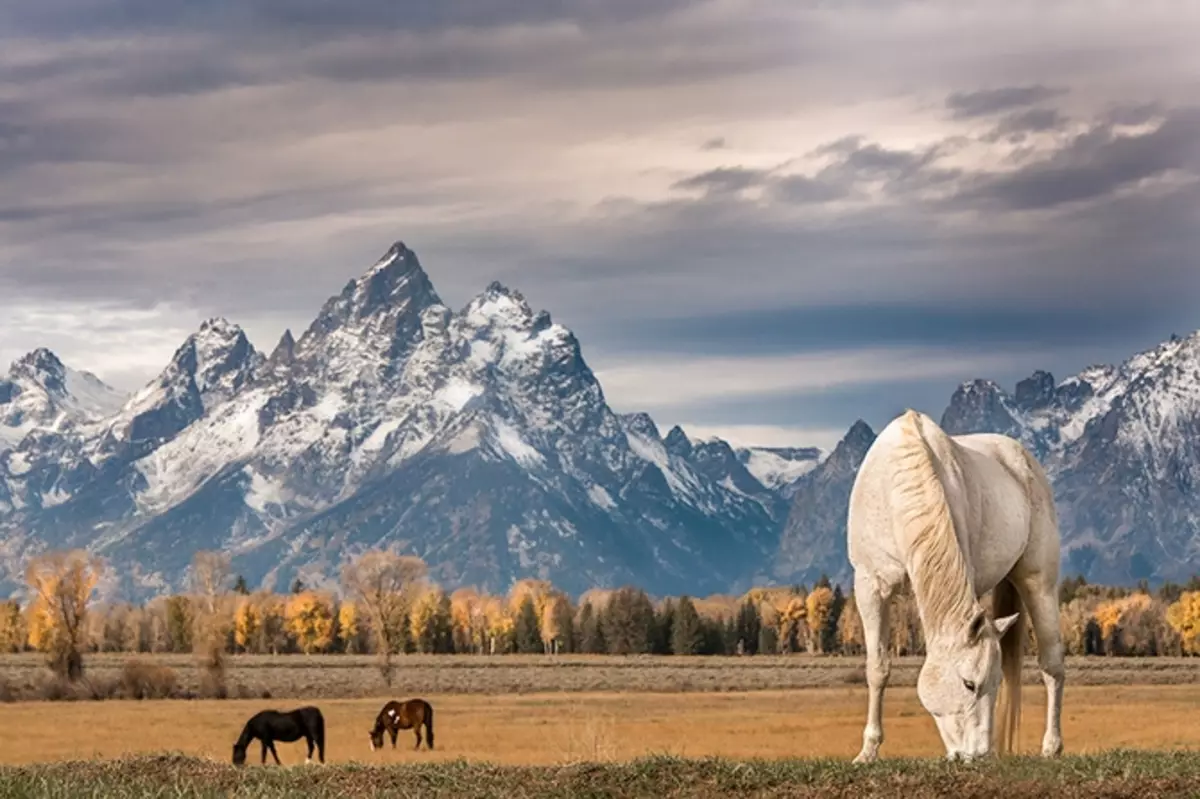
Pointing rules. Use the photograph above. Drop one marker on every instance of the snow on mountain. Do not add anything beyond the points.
(1118, 443)
(41, 393)
(478, 439)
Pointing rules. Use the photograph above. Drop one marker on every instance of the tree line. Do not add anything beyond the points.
(387, 605)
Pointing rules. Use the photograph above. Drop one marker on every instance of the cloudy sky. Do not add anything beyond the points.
(764, 218)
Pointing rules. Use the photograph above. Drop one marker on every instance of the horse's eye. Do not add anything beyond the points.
(970, 685)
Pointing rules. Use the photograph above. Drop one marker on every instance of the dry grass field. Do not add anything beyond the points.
(349, 676)
(544, 729)
(518, 727)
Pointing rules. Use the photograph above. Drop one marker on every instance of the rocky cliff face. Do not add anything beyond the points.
(478, 439)
(1118, 442)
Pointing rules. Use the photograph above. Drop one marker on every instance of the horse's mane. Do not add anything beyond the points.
(937, 566)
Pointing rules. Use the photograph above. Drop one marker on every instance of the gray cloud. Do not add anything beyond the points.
(247, 158)
(985, 102)
(1094, 164)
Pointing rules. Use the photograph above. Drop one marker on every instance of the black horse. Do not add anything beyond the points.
(270, 726)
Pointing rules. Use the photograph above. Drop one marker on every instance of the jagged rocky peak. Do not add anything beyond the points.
(42, 367)
(979, 405)
(678, 443)
(285, 350)
(1036, 391)
(220, 358)
(858, 439)
(395, 287)
(642, 424)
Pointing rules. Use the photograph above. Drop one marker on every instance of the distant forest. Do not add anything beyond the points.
(387, 606)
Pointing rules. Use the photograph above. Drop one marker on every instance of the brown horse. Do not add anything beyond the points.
(409, 715)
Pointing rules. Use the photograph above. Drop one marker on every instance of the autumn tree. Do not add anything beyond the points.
(209, 578)
(310, 621)
(12, 627)
(247, 625)
(558, 624)
(62, 584)
(432, 623)
(350, 630)
(383, 585)
(1184, 617)
(851, 638)
(820, 607)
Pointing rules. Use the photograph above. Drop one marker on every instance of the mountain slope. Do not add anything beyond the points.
(478, 439)
(1119, 444)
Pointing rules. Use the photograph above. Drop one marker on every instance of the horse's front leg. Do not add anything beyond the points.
(1041, 601)
(873, 610)
(274, 754)
(394, 732)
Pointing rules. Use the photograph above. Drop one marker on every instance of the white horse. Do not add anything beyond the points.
(958, 516)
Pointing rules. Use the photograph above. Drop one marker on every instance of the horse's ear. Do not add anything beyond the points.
(1002, 625)
(977, 626)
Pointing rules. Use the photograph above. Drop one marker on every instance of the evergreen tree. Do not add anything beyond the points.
(526, 630)
(591, 635)
(748, 624)
(687, 633)
(240, 587)
(664, 628)
(768, 640)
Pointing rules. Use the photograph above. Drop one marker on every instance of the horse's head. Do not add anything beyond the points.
(959, 683)
(376, 734)
(239, 755)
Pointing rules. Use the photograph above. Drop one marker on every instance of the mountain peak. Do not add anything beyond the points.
(42, 367)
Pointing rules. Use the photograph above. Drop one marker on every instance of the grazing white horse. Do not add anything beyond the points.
(958, 516)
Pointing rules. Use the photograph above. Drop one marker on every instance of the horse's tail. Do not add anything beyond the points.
(1005, 602)
(429, 725)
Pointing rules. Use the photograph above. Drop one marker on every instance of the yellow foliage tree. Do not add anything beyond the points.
(850, 628)
(62, 584)
(819, 605)
(348, 627)
(12, 627)
(247, 624)
(469, 621)
(1184, 618)
(309, 618)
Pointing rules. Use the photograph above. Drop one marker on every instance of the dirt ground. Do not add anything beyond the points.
(561, 727)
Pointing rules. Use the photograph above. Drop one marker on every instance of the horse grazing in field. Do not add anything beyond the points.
(270, 726)
(409, 715)
(957, 517)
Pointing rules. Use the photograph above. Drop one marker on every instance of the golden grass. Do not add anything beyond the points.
(555, 728)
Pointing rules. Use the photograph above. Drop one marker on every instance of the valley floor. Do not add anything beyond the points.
(554, 728)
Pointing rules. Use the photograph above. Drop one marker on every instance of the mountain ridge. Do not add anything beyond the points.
(477, 438)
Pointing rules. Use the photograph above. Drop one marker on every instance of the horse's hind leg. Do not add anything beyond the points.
(873, 610)
(1041, 601)
(417, 730)
(308, 740)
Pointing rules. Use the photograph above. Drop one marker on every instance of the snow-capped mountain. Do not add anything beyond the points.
(478, 439)
(1119, 444)
(40, 393)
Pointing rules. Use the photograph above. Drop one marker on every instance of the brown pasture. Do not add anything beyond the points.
(556, 727)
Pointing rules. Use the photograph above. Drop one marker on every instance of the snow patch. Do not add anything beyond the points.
(775, 471)
(600, 497)
(511, 442)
